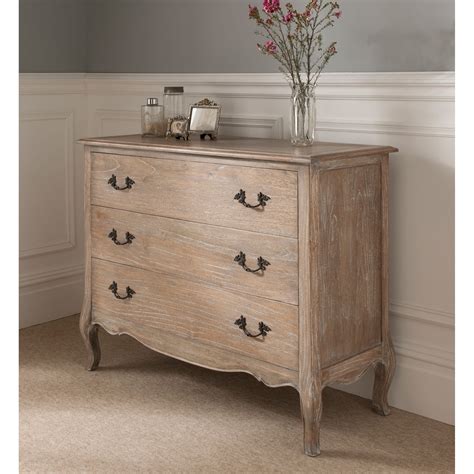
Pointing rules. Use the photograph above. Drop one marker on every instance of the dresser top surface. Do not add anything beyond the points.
(245, 148)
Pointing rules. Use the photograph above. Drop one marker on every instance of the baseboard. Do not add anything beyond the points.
(39, 301)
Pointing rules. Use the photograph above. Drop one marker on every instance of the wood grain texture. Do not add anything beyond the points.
(247, 148)
(325, 232)
(344, 162)
(199, 252)
(88, 330)
(384, 369)
(198, 192)
(310, 388)
(194, 311)
(350, 370)
(154, 154)
(384, 372)
(204, 355)
(350, 238)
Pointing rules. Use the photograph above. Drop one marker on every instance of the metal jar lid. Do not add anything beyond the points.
(174, 90)
(152, 101)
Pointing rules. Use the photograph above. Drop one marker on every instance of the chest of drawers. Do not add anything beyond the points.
(243, 255)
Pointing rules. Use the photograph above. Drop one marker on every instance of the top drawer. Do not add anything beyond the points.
(200, 192)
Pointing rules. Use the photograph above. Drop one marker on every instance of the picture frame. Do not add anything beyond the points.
(178, 127)
(204, 119)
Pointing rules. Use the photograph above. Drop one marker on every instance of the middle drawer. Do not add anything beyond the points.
(224, 257)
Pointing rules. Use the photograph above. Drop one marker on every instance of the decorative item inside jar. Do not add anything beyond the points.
(153, 121)
(303, 116)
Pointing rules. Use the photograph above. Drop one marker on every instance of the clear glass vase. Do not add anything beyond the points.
(303, 116)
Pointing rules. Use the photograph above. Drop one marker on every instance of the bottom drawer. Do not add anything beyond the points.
(192, 310)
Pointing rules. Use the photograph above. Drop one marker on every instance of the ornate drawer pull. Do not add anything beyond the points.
(114, 289)
(261, 198)
(261, 262)
(128, 238)
(128, 183)
(262, 327)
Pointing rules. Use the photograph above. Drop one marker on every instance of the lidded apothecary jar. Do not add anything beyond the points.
(153, 120)
(173, 101)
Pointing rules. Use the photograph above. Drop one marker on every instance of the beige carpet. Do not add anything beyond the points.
(143, 412)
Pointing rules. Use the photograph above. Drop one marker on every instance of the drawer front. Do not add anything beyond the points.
(187, 309)
(199, 192)
(198, 252)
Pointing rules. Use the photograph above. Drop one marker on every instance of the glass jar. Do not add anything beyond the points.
(303, 116)
(173, 101)
(153, 121)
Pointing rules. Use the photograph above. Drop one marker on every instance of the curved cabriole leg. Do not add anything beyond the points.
(311, 409)
(91, 340)
(383, 378)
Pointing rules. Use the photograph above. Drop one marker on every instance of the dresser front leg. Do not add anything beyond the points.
(91, 340)
(383, 378)
(311, 409)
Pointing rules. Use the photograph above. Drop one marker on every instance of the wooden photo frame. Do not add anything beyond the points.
(178, 127)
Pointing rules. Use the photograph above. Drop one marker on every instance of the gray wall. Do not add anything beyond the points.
(53, 36)
(146, 36)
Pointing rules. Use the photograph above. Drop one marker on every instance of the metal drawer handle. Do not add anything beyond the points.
(128, 238)
(261, 262)
(261, 198)
(262, 327)
(113, 182)
(114, 289)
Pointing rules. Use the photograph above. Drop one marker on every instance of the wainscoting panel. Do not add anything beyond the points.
(412, 111)
(46, 177)
(52, 118)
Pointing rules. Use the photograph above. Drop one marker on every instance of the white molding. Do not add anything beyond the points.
(340, 79)
(422, 314)
(50, 294)
(47, 276)
(268, 122)
(434, 87)
(101, 115)
(273, 123)
(382, 128)
(425, 353)
(374, 86)
(70, 241)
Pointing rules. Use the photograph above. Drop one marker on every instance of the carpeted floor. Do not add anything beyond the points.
(142, 412)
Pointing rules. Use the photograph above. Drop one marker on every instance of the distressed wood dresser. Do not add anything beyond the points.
(244, 255)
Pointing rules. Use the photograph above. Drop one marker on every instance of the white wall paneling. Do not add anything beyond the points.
(412, 111)
(52, 117)
(46, 176)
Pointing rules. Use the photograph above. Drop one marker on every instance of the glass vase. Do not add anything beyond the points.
(303, 116)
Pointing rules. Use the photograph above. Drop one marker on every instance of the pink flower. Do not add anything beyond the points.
(271, 6)
(288, 17)
(270, 47)
(338, 14)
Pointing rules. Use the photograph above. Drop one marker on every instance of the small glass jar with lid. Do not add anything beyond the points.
(153, 121)
(173, 101)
